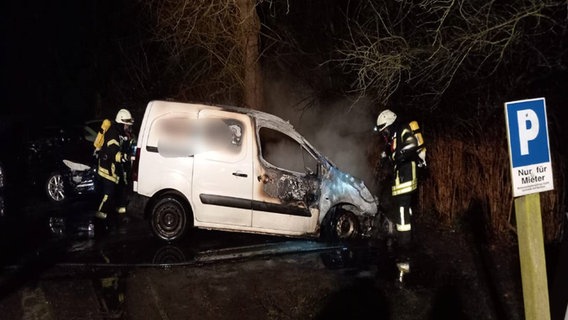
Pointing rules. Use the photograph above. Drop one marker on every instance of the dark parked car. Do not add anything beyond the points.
(72, 164)
(52, 161)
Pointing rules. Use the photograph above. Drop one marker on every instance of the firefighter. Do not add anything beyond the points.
(113, 157)
(405, 151)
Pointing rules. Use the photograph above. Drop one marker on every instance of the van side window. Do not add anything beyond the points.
(280, 150)
(217, 139)
(226, 133)
(221, 139)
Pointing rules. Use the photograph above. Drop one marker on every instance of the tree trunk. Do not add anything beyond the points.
(252, 78)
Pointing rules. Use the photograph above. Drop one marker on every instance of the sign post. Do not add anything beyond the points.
(531, 173)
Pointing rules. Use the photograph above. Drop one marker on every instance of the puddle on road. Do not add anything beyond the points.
(58, 226)
(110, 289)
(136, 247)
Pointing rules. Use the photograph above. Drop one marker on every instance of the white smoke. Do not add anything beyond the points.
(342, 130)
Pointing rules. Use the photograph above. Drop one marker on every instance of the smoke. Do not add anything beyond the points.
(341, 130)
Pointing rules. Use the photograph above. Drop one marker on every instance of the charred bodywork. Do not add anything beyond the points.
(292, 190)
(321, 187)
(340, 190)
(324, 191)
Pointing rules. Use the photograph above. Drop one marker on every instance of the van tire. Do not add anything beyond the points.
(169, 218)
(343, 225)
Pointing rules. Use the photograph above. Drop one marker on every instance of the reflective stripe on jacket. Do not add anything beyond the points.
(109, 175)
(405, 180)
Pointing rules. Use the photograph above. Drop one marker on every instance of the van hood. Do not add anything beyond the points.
(338, 187)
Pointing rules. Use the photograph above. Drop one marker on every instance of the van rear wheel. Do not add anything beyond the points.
(169, 218)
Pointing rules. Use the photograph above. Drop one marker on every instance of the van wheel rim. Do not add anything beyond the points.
(169, 221)
(345, 227)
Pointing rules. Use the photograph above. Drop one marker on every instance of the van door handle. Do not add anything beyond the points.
(238, 174)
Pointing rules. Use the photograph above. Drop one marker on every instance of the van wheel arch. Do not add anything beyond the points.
(160, 194)
(170, 215)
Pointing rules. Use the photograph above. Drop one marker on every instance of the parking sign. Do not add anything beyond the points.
(529, 151)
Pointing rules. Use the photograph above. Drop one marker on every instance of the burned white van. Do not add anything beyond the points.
(235, 169)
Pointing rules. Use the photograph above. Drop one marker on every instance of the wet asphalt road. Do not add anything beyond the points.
(44, 245)
(65, 235)
(53, 267)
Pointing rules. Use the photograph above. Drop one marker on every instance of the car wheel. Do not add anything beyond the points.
(56, 226)
(55, 187)
(169, 218)
(344, 226)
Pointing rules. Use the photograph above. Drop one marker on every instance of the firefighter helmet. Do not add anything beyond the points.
(123, 116)
(385, 119)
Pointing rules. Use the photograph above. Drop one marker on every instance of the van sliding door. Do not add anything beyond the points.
(222, 175)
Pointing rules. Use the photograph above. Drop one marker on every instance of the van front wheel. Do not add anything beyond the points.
(343, 225)
(169, 219)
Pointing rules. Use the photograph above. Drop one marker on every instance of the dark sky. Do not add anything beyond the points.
(55, 56)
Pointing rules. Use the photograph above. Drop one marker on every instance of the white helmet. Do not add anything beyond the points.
(123, 116)
(385, 119)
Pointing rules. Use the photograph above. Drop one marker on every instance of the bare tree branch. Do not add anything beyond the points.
(209, 44)
(430, 42)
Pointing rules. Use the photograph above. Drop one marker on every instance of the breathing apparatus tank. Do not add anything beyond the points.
(100, 139)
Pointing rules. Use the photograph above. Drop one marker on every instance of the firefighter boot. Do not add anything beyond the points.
(403, 248)
(403, 268)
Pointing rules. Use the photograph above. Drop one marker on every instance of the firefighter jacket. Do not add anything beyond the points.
(110, 155)
(403, 152)
(127, 145)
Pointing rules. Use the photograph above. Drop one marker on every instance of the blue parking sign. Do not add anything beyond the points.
(527, 131)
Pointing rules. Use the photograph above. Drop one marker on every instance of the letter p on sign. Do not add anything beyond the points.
(528, 128)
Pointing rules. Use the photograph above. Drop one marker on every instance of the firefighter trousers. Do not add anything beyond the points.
(403, 220)
(113, 198)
